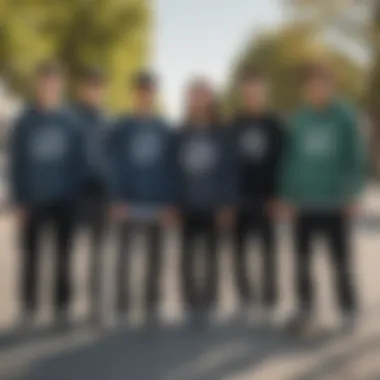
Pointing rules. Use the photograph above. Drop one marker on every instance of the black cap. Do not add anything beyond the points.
(145, 80)
(49, 69)
(92, 75)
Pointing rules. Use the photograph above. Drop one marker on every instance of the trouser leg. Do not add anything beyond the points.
(210, 293)
(30, 255)
(188, 283)
(97, 237)
(268, 240)
(242, 280)
(123, 267)
(154, 267)
(340, 251)
(303, 254)
(63, 225)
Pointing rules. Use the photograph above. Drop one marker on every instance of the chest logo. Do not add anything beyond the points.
(199, 157)
(254, 144)
(146, 148)
(49, 144)
(320, 143)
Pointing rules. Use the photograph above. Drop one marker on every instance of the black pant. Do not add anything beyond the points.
(333, 226)
(255, 222)
(199, 225)
(94, 217)
(153, 233)
(61, 218)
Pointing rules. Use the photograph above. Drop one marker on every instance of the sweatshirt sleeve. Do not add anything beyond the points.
(174, 170)
(356, 160)
(279, 130)
(17, 163)
(112, 153)
(80, 162)
(230, 171)
(287, 169)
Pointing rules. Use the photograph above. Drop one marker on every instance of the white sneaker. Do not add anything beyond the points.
(349, 322)
(26, 322)
(267, 316)
(62, 320)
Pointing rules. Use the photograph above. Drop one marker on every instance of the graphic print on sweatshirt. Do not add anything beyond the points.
(199, 157)
(48, 144)
(254, 144)
(319, 142)
(145, 148)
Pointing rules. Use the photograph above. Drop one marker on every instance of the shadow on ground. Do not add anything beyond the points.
(209, 353)
(347, 361)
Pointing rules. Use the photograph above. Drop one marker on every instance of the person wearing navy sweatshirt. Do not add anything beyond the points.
(259, 138)
(91, 117)
(47, 168)
(143, 189)
(207, 189)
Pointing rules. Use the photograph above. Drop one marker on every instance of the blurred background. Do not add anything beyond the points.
(220, 39)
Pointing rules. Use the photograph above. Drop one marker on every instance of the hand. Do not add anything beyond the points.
(352, 210)
(286, 211)
(21, 214)
(119, 212)
(274, 208)
(226, 218)
(169, 217)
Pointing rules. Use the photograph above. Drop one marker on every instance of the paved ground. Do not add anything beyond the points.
(230, 351)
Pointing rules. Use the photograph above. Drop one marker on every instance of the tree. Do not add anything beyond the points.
(110, 33)
(346, 18)
(281, 54)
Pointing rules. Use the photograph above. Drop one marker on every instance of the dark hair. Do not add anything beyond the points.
(213, 112)
(316, 72)
(145, 80)
(91, 75)
(49, 69)
(252, 75)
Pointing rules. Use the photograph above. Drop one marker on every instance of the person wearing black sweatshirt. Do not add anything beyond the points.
(207, 193)
(142, 188)
(89, 113)
(259, 138)
(47, 168)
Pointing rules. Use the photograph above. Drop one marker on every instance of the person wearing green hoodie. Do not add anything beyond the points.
(323, 174)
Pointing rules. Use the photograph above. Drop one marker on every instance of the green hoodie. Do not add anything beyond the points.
(324, 163)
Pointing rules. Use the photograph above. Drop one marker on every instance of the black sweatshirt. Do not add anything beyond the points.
(259, 142)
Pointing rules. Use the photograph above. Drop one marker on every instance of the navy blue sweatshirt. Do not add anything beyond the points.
(141, 152)
(259, 142)
(47, 162)
(207, 168)
(94, 125)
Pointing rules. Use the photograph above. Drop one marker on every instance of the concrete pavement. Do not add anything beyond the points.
(231, 351)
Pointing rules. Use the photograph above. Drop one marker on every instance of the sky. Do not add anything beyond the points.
(202, 37)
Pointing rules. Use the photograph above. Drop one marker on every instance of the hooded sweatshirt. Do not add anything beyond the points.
(47, 162)
(94, 125)
(324, 165)
(142, 159)
(207, 168)
(259, 142)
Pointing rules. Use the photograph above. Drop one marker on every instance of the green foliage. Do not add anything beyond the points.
(109, 33)
(281, 54)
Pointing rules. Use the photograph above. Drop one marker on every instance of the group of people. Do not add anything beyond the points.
(71, 164)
